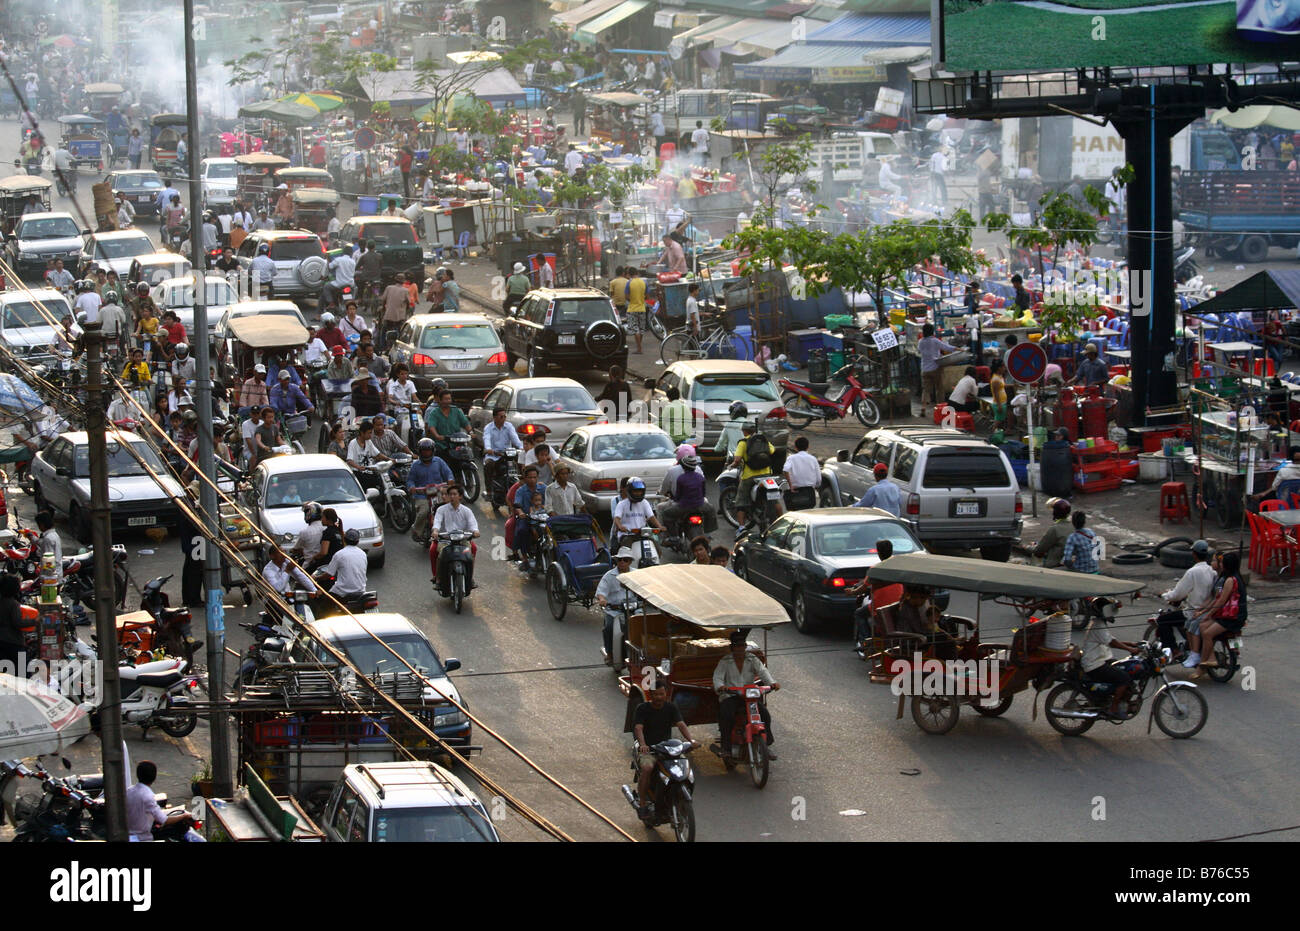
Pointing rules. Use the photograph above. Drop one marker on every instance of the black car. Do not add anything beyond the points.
(807, 559)
(139, 187)
(395, 240)
(576, 328)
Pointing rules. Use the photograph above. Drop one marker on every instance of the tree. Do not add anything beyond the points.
(779, 161)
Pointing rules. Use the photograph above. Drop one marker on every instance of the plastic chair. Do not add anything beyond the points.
(1295, 502)
(1174, 503)
(1272, 504)
(1265, 367)
(1273, 544)
(462, 245)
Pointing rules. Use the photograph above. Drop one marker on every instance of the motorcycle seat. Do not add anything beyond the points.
(91, 782)
(159, 680)
(817, 387)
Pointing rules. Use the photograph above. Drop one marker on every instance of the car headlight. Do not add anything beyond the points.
(450, 717)
(27, 256)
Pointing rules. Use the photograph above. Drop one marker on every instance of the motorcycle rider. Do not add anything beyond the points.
(634, 512)
(308, 543)
(143, 813)
(363, 453)
(329, 333)
(287, 398)
(498, 436)
(686, 496)
(741, 668)
(450, 518)
(112, 321)
(368, 272)
(610, 595)
(348, 567)
(344, 268)
(281, 575)
(522, 506)
(422, 481)
(386, 439)
(262, 272)
(1052, 547)
(183, 365)
(753, 456)
(445, 418)
(1096, 660)
(652, 723)
(1196, 589)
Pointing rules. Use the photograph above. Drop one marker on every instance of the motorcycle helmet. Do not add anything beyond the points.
(683, 451)
(1103, 608)
(352, 537)
(190, 416)
(182, 349)
(691, 462)
(110, 297)
(436, 386)
(263, 249)
(1060, 508)
(635, 489)
(326, 319)
(142, 288)
(425, 445)
(311, 511)
(738, 410)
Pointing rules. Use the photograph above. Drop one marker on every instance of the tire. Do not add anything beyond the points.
(297, 447)
(511, 361)
(739, 568)
(1226, 668)
(1177, 557)
(401, 511)
(999, 553)
(1185, 723)
(533, 365)
(657, 327)
(470, 481)
(797, 412)
(80, 524)
(324, 441)
(1067, 697)
(38, 499)
(1131, 559)
(679, 346)
(867, 412)
(379, 563)
(935, 714)
(993, 711)
(682, 817)
(803, 622)
(826, 496)
(557, 591)
(604, 339)
(177, 723)
(727, 504)
(457, 588)
(312, 271)
(760, 762)
(1254, 249)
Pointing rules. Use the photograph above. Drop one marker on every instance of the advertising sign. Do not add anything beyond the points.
(1019, 35)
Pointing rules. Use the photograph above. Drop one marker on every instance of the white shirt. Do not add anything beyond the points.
(51, 543)
(634, 515)
(657, 124)
(563, 499)
(357, 325)
(462, 141)
(692, 311)
(124, 215)
(964, 391)
(282, 579)
(401, 394)
(308, 542)
(1096, 646)
(349, 570)
(185, 369)
(426, 192)
(359, 454)
(448, 519)
(248, 429)
(938, 162)
(243, 217)
(1196, 586)
(804, 470)
(344, 268)
(700, 140)
(572, 161)
(263, 268)
(142, 812)
(316, 351)
(89, 303)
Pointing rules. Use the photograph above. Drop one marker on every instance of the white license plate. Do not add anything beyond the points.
(968, 509)
(1235, 643)
(567, 340)
(773, 494)
(461, 365)
(142, 521)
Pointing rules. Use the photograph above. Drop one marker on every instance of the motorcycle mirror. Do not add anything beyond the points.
(67, 763)
(373, 494)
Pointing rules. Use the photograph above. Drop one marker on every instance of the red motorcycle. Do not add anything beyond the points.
(22, 556)
(806, 401)
(749, 735)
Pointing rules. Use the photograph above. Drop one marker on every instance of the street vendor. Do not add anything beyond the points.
(284, 209)
(1092, 371)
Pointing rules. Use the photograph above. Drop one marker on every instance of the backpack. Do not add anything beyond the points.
(758, 453)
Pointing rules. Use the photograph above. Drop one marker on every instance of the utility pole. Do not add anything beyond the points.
(216, 622)
(101, 531)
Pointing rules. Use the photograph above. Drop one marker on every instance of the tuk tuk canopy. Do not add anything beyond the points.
(105, 87)
(261, 160)
(80, 119)
(168, 119)
(709, 597)
(268, 332)
(616, 99)
(314, 195)
(304, 174)
(24, 184)
(989, 578)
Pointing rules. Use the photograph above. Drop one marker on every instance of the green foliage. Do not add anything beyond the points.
(1062, 220)
(784, 159)
(381, 109)
(446, 158)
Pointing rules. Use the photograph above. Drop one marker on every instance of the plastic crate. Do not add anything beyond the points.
(838, 320)
(1100, 448)
(275, 733)
(799, 343)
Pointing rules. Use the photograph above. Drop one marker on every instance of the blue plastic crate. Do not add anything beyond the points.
(1021, 469)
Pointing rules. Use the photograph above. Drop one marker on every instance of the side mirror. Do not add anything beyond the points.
(85, 232)
(650, 384)
(841, 455)
(450, 664)
(373, 495)
(62, 472)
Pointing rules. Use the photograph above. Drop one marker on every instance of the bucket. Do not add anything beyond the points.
(1057, 635)
(1152, 468)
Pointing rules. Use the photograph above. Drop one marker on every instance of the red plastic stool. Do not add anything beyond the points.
(1174, 503)
(965, 421)
(940, 412)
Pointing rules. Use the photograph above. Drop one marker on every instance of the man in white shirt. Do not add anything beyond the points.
(562, 496)
(965, 394)
(241, 216)
(125, 214)
(634, 512)
(348, 567)
(452, 517)
(803, 473)
(498, 436)
(461, 139)
(51, 543)
(1193, 593)
(143, 813)
(426, 191)
(700, 142)
(316, 351)
(344, 268)
(572, 160)
(263, 221)
(674, 216)
(938, 175)
(88, 303)
(282, 576)
(362, 450)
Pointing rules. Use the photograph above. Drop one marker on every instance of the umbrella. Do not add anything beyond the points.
(36, 720)
(282, 111)
(64, 41)
(1250, 117)
(321, 102)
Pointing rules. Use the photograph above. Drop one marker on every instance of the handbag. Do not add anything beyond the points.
(1232, 607)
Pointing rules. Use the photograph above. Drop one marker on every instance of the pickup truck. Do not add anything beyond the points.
(1240, 214)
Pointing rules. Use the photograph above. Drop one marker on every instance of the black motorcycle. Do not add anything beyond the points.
(62, 812)
(460, 459)
(174, 630)
(455, 567)
(505, 472)
(1227, 647)
(671, 788)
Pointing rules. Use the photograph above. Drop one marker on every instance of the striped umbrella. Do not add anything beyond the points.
(320, 101)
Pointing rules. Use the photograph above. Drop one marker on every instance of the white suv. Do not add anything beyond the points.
(402, 803)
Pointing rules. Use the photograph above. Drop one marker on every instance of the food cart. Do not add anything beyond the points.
(619, 119)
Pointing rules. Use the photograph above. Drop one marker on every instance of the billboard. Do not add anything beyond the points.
(1032, 35)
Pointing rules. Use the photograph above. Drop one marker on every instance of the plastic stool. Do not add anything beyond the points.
(965, 421)
(1174, 503)
(940, 412)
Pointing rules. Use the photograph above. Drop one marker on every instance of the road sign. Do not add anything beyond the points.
(363, 138)
(1026, 362)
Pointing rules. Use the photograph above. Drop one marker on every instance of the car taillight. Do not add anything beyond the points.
(604, 484)
(914, 504)
(1020, 505)
(497, 358)
(835, 581)
(777, 412)
(695, 519)
(421, 359)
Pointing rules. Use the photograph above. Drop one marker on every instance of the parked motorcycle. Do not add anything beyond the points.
(460, 459)
(748, 736)
(806, 401)
(672, 787)
(62, 812)
(172, 626)
(1185, 267)
(455, 567)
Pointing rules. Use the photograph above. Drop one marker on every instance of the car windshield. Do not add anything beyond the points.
(967, 469)
(24, 313)
(617, 446)
(369, 655)
(458, 336)
(49, 228)
(219, 293)
(734, 388)
(861, 539)
(337, 486)
(123, 248)
(390, 234)
(121, 462)
(557, 400)
(445, 824)
(222, 170)
(291, 250)
(584, 311)
(134, 182)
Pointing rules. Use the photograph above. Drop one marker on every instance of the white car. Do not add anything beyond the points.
(219, 177)
(177, 294)
(25, 328)
(602, 455)
(281, 484)
(115, 250)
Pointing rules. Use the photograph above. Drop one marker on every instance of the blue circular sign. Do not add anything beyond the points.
(1026, 362)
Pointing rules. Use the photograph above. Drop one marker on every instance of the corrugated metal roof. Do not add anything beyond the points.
(904, 29)
(578, 16)
(589, 31)
(808, 58)
(766, 39)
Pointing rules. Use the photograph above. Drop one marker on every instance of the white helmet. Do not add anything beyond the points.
(326, 318)
(182, 349)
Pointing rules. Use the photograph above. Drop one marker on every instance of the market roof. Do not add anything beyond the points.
(853, 28)
(828, 63)
(590, 31)
(1262, 290)
(579, 15)
(709, 597)
(617, 99)
(990, 578)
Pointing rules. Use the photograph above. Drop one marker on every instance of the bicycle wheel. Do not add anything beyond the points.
(734, 346)
(678, 346)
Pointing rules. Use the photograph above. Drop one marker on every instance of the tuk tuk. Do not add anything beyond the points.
(618, 118)
(312, 209)
(253, 186)
(680, 629)
(252, 338)
(86, 140)
(16, 192)
(165, 131)
(984, 674)
(298, 178)
(102, 97)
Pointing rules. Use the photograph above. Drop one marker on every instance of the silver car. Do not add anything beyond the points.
(25, 328)
(280, 485)
(115, 250)
(299, 257)
(177, 295)
(711, 386)
(561, 405)
(464, 350)
(602, 455)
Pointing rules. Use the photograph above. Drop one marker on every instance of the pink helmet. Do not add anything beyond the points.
(684, 450)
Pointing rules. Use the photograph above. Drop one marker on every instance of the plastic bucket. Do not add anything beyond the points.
(1152, 468)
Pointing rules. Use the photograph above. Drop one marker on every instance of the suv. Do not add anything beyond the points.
(300, 266)
(219, 178)
(395, 241)
(40, 238)
(404, 802)
(957, 490)
(711, 386)
(573, 327)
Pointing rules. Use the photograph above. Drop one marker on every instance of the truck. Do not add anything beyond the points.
(1239, 214)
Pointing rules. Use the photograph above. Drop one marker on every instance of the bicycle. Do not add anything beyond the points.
(716, 341)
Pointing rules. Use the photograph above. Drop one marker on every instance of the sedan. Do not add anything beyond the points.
(140, 187)
(463, 350)
(807, 559)
(602, 455)
(157, 267)
(177, 294)
(561, 405)
(280, 485)
(114, 250)
(61, 474)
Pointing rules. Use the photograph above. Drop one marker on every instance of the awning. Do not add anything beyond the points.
(1012, 580)
(700, 35)
(1260, 291)
(590, 31)
(863, 27)
(576, 16)
(823, 63)
(708, 597)
(767, 39)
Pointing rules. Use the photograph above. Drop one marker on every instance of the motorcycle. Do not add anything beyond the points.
(460, 459)
(79, 578)
(65, 183)
(271, 635)
(21, 555)
(672, 786)
(172, 631)
(156, 694)
(1227, 646)
(678, 536)
(748, 735)
(504, 477)
(643, 545)
(366, 602)
(1185, 267)
(808, 401)
(64, 811)
(455, 567)
(766, 504)
(390, 499)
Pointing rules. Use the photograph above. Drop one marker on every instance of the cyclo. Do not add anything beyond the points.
(987, 674)
(254, 339)
(253, 184)
(678, 631)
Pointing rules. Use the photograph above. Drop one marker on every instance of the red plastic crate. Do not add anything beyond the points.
(1099, 484)
(1102, 448)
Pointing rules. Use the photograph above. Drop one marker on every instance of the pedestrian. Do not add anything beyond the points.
(931, 348)
(938, 175)
(192, 551)
(404, 162)
(637, 318)
(134, 149)
(884, 494)
(450, 292)
(803, 473)
(579, 101)
(1079, 553)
